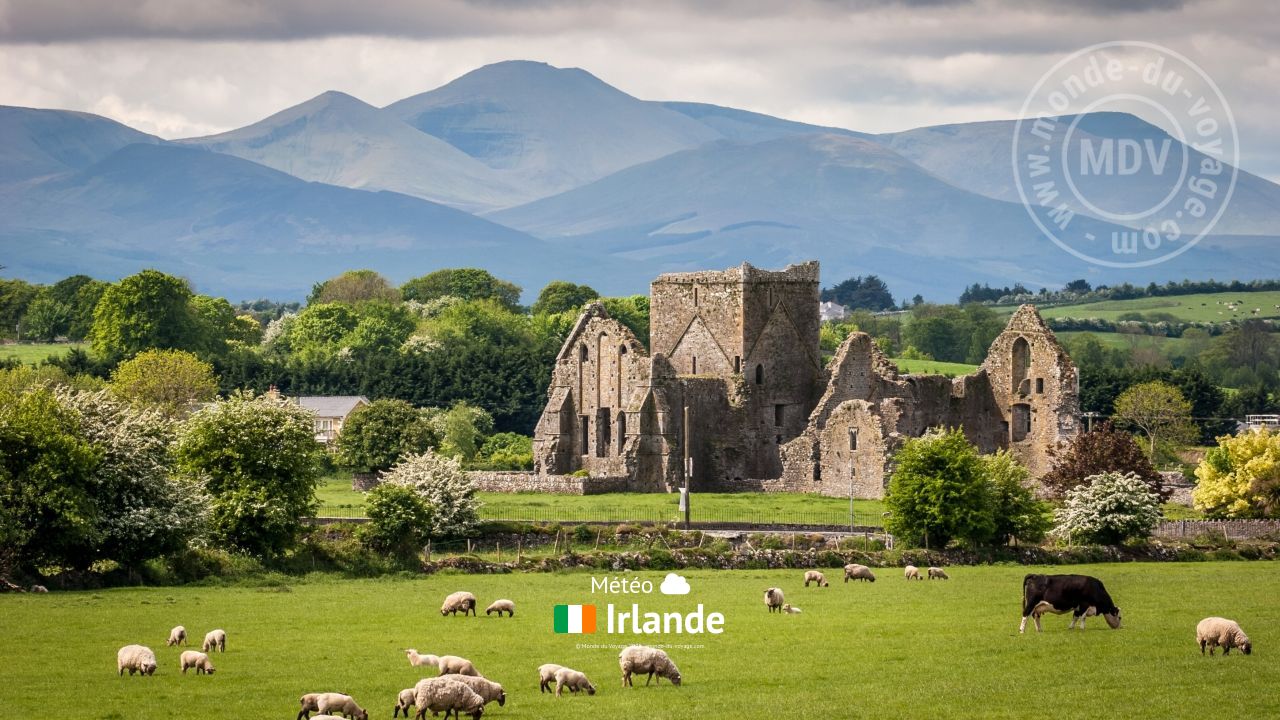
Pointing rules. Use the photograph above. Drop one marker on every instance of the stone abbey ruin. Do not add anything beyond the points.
(737, 353)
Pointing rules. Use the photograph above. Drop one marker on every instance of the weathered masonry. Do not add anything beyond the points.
(738, 349)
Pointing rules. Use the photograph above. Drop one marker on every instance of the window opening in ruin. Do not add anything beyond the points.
(585, 432)
(605, 428)
(777, 414)
(759, 374)
(622, 430)
(737, 363)
(1039, 386)
(1021, 361)
(853, 439)
(695, 296)
(778, 439)
(622, 349)
(695, 364)
(582, 353)
(1021, 421)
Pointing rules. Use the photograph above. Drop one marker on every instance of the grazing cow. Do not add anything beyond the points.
(1081, 595)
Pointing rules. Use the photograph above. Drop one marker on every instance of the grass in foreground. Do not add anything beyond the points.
(892, 649)
(33, 353)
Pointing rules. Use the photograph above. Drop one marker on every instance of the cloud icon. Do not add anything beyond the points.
(674, 584)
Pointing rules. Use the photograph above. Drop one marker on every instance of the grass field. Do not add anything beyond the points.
(32, 353)
(1166, 345)
(891, 649)
(934, 367)
(1204, 307)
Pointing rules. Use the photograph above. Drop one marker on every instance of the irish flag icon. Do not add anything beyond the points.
(575, 619)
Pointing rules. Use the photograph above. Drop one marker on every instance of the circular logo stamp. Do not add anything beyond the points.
(1107, 185)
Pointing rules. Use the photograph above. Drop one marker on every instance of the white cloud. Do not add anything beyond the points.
(674, 584)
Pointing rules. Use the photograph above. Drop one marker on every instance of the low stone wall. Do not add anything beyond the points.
(529, 481)
(1232, 529)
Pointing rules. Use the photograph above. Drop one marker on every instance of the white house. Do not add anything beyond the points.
(331, 412)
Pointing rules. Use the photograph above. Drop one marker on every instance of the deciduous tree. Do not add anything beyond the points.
(939, 492)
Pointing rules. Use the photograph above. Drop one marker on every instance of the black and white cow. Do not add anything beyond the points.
(1080, 595)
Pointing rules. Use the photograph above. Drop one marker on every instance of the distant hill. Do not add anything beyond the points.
(39, 143)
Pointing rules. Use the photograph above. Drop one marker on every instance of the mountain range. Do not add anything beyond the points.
(540, 173)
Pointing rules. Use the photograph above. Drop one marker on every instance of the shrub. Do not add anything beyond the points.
(1105, 449)
(939, 492)
(444, 488)
(399, 520)
(1016, 511)
(1112, 508)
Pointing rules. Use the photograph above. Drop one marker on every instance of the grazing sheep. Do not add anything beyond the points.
(487, 689)
(135, 659)
(461, 601)
(911, 572)
(815, 576)
(858, 572)
(501, 606)
(331, 702)
(773, 599)
(437, 694)
(417, 660)
(197, 660)
(39, 589)
(546, 676)
(937, 573)
(791, 609)
(454, 665)
(642, 659)
(215, 638)
(404, 701)
(574, 680)
(176, 636)
(1217, 632)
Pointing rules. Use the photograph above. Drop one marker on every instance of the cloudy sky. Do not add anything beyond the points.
(178, 68)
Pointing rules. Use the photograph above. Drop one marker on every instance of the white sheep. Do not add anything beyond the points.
(858, 572)
(791, 609)
(176, 636)
(461, 601)
(39, 589)
(911, 572)
(937, 573)
(404, 701)
(331, 703)
(642, 659)
(215, 639)
(440, 694)
(574, 680)
(546, 676)
(487, 689)
(454, 665)
(197, 660)
(501, 606)
(1215, 632)
(773, 599)
(417, 660)
(135, 659)
(814, 576)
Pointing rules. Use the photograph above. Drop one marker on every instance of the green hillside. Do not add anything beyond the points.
(933, 367)
(1204, 307)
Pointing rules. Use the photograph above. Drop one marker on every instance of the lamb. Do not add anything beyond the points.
(1217, 632)
(454, 665)
(417, 660)
(858, 572)
(641, 659)
(135, 659)
(574, 680)
(177, 635)
(436, 694)
(215, 638)
(547, 675)
(911, 572)
(404, 701)
(938, 574)
(815, 576)
(461, 601)
(487, 689)
(773, 599)
(197, 660)
(324, 703)
(501, 606)
(791, 609)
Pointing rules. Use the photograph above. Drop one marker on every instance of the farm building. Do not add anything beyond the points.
(331, 412)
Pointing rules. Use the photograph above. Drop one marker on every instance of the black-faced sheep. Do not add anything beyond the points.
(645, 660)
(1215, 632)
(773, 599)
(858, 572)
(136, 659)
(937, 573)
(331, 703)
(501, 606)
(815, 576)
(461, 601)
(197, 660)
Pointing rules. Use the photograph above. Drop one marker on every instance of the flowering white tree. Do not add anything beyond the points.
(447, 491)
(1110, 509)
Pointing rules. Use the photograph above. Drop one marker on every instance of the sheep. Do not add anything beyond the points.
(937, 573)
(461, 601)
(858, 572)
(215, 639)
(436, 694)
(546, 676)
(487, 689)
(815, 576)
(791, 609)
(323, 703)
(454, 665)
(135, 659)
(197, 660)
(417, 660)
(501, 606)
(1217, 632)
(574, 680)
(39, 589)
(911, 572)
(176, 636)
(641, 659)
(773, 599)
(404, 701)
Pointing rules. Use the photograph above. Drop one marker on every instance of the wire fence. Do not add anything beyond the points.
(648, 516)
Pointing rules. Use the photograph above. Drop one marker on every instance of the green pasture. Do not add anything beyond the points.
(32, 353)
(933, 367)
(1168, 346)
(1203, 307)
(891, 649)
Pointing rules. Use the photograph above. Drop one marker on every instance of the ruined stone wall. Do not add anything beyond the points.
(714, 300)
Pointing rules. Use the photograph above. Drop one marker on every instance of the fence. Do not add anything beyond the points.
(620, 515)
(1230, 529)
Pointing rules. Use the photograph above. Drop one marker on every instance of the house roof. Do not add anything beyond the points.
(332, 406)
